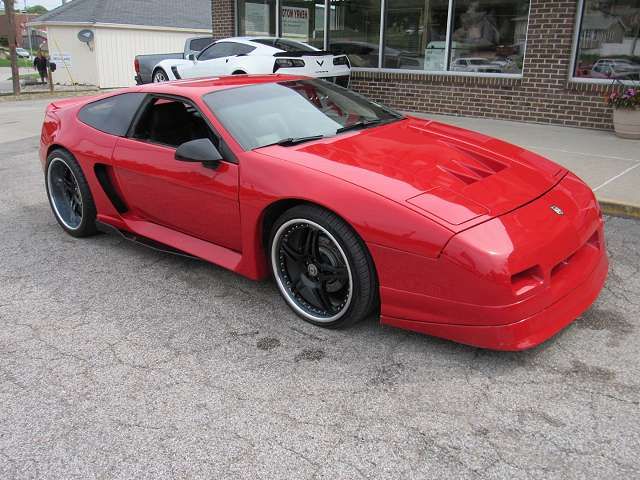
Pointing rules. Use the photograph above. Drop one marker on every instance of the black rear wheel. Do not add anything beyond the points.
(69, 194)
(321, 267)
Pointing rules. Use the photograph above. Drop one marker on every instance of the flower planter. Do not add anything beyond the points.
(626, 122)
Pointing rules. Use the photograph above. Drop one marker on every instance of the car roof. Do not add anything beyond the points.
(201, 86)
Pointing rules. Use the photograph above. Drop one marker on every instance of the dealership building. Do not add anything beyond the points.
(548, 61)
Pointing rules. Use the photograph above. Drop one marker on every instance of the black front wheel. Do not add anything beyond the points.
(322, 267)
(69, 194)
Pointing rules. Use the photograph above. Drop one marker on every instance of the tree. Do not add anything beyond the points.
(37, 9)
(11, 27)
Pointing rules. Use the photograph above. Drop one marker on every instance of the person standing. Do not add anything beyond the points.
(40, 63)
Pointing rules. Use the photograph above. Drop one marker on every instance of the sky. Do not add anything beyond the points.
(48, 4)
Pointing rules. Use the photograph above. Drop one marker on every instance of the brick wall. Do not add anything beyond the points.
(223, 18)
(542, 95)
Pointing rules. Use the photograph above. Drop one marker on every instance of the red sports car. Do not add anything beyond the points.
(352, 207)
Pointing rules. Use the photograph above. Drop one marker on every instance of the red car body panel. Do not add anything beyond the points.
(460, 227)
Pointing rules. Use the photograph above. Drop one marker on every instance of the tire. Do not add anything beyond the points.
(322, 268)
(159, 76)
(69, 194)
(239, 72)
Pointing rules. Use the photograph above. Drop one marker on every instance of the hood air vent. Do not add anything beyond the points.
(472, 167)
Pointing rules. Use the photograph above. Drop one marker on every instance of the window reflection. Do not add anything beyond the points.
(303, 21)
(354, 29)
(257, 17)
(415, 34)
(489, 36)
(609, 40)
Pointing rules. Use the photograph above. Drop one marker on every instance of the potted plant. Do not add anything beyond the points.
(626, 112)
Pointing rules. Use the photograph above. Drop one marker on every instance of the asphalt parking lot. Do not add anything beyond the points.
(122, 362)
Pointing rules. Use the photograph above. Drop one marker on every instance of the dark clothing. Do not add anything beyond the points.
(41, 64)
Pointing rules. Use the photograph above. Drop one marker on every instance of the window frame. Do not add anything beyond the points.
(380, 68)
(223, 148)
(574, 56)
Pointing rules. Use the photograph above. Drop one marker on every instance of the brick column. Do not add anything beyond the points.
(223, 18)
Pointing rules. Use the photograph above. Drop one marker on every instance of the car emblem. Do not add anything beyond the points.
(320, 62)
(557, 209)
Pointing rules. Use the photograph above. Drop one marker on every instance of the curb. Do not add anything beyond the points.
(617, 209)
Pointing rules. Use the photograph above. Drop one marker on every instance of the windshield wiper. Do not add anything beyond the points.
(368, 123)
(287, 142)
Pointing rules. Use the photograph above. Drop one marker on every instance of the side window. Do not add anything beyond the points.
(172, 123)
(240, 49)
(112, 115)
(217, 50)
(199, 44)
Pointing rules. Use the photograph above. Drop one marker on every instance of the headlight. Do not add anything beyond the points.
(342, 60)
(287, 63)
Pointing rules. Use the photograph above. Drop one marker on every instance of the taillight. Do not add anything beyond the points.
(136, 65)
(342, 60)
(287, 63)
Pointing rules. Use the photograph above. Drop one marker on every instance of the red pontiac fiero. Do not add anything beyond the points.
(352, 207)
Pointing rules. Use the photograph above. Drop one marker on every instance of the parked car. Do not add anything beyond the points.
(353, 208)
(257, 55)
(475, 64)
(615, 68)
(144, 64)
(366, 54)
(23, 53)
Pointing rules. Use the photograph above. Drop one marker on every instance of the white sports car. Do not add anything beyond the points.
(257, 55)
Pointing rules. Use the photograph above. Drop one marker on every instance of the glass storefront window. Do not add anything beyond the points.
(415, 33)
(609, 40)
(489, 36)
(354, 29)
(303, 20)
(257, 17)
(484, 36)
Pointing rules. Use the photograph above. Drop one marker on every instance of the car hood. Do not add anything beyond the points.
(454, 176)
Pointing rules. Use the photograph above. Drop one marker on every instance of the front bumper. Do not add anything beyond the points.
(523, 334)
(508, 283)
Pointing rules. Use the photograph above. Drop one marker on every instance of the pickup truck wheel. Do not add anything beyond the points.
(159, 76)
(239, 72)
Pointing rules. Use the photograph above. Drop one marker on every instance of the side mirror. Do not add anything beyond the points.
(192, 57)
(201, 150)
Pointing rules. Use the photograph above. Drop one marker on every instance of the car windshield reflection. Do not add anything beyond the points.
(291, 112)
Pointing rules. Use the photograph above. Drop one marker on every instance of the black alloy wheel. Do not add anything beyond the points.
(321, 267)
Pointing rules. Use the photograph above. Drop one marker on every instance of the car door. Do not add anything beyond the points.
(190, 197)
(211, 61)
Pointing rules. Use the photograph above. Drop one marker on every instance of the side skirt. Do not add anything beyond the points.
(167, 240)
(145, 242)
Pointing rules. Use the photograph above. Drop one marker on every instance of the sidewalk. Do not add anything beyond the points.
(610, 165)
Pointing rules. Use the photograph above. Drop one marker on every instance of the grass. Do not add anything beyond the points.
(5, 62)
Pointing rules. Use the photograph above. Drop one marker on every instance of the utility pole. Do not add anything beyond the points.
(9, 11)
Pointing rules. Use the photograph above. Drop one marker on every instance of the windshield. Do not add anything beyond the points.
(288, 112)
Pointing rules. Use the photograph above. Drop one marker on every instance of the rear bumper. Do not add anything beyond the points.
(525, 333)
